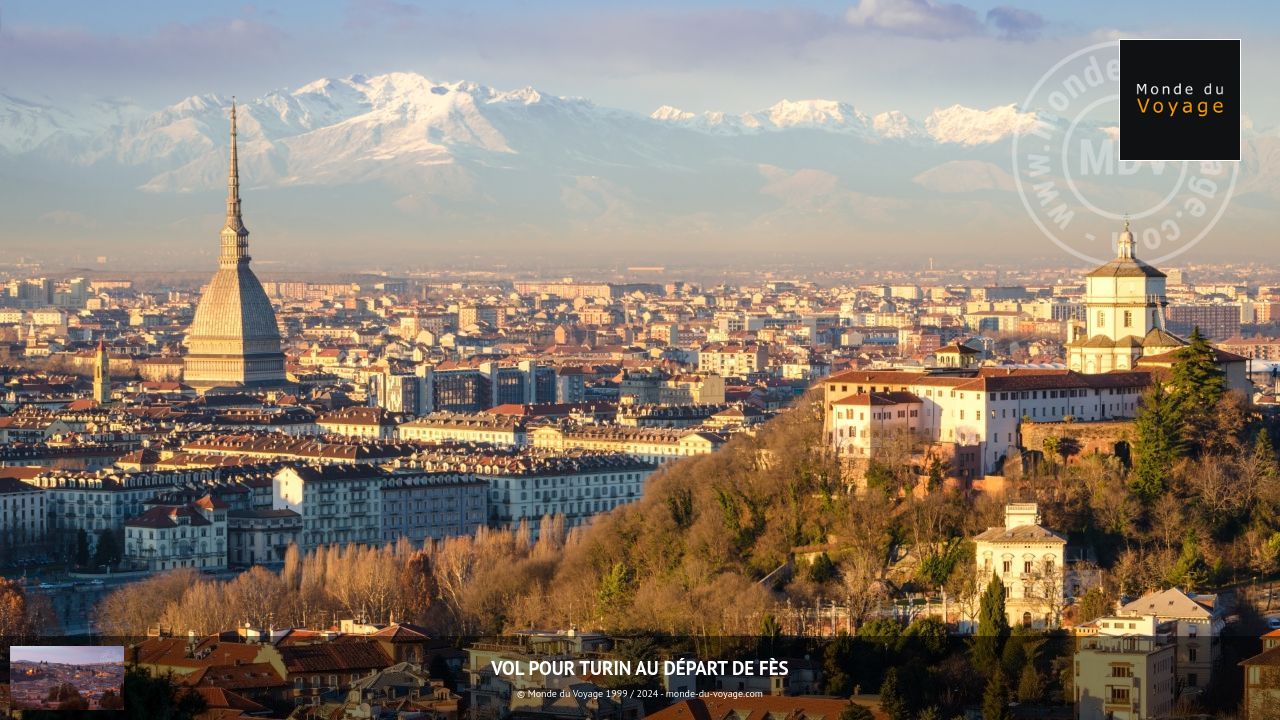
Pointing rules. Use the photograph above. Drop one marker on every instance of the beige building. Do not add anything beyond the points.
(1029, 560)
(1124, 314)
(192, 535)
(23, 516)
(1262, 680)
(1197, 622)
(649, 444)
(1125, 671)
(732, 359)
(508, 430)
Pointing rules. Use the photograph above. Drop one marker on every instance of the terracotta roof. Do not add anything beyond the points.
(166, 517)
(326, 657)
(880, 398)
(209, 651)
(1266, 657)
(244, 676)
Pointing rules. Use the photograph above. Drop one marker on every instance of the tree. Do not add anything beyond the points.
(995, 699)
(157, 697)
(1030, 687)
(1159, 428)
(822, 569)
(854, 711)
(1095, 603)
(993, 626)
(82, 548)
(1198, 384)
(893, 700)
(1051, 448)
(107, 552)
(13, 609)
(1190, 571)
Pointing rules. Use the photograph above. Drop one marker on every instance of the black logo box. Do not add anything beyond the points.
(1187, 68)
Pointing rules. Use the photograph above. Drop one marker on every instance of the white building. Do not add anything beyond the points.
(339, 504)
(732, 359)
(507, 430)
(374, 423)
(261, 536)
(1197, 623)
(190, 535)
(23, 515)
(1028, 559)
(653, 445)
(579, 486)
(423, 506)
(1125, 671)
(975, 413)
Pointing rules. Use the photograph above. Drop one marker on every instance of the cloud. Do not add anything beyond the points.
(917, 18)
(1013, 23)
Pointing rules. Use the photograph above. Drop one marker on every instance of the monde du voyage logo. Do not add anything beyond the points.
(1180, 100)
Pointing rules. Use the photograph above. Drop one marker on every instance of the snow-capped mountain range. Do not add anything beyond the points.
(357, 128)
(440, 160)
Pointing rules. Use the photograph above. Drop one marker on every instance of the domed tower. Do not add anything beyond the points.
(234, 340)
(1124, 314)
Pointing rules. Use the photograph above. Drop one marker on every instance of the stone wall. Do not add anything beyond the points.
(1111, 437)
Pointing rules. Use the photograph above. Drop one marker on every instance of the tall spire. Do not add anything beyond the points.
(235, 236)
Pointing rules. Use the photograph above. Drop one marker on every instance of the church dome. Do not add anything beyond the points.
(234, 308)
(1125, 263)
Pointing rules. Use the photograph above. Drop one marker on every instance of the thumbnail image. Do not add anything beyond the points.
(66, 677)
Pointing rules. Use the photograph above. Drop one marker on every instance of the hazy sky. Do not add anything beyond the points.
(69, 654)
(910, 55)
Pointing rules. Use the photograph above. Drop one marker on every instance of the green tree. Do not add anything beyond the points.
(82, 548)
(993, 626)
(1198, 384)
(108, 551)
(854, 711)
(995, 699)
(835, 665)
(822, 570)
(615, 588)
(1051, 446)
(1190, 571)
(893, 699)
(1095, 603)
(1030, 687)
(1159, 428)
(927, 635)
(1195, 376)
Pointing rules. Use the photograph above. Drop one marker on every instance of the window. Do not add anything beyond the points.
(1102, 317)
(1122, 671)
(1128, 318)
(1119, 694)
(1008, 565)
